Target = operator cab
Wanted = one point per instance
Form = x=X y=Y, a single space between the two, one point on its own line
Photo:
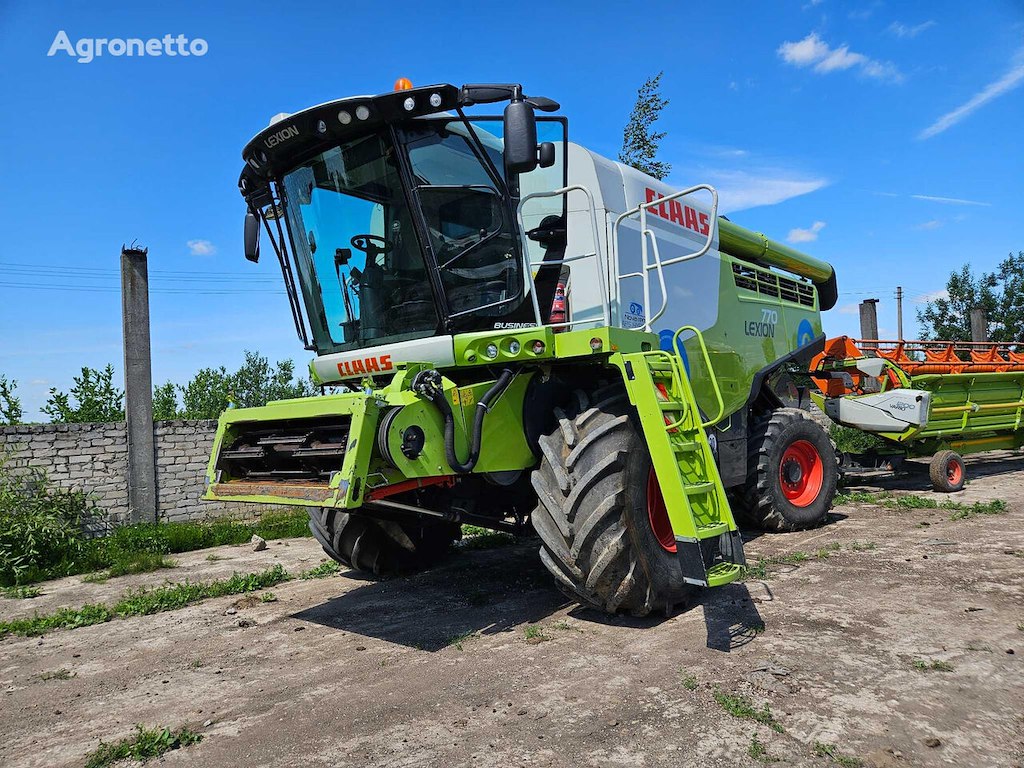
x=393 y=217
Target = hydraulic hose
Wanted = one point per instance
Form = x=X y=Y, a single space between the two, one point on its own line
x=428 y=384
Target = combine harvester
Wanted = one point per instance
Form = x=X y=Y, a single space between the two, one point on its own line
x=926 y=398
x=524 y=334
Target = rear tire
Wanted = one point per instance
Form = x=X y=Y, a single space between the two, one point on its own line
x=592 y=515
x=792 y=472
x=381 y=547
x=947 y=472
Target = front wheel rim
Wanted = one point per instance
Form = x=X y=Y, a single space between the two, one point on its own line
x=801 y=473
x=657 y=514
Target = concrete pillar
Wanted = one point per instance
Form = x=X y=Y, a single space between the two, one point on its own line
x=869 y=320
x=979 y=326
x=138 y=385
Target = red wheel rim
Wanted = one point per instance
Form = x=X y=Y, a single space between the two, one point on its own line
x=801 y=472
x=954 y=472
x=657 y=513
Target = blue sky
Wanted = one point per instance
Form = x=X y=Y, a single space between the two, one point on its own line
x=881 y=136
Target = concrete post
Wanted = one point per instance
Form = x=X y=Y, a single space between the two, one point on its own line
x=979 y=326
x=899 y=313
x=869 y=320
x=138 y=385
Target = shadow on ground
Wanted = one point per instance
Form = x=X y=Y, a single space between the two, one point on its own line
x=913 y=474
x=485 y=592
x=492 y=591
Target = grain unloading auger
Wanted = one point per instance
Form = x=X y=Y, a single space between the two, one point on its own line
x=523 y=335
x=936 y=398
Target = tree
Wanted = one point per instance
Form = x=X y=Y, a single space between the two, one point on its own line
x=10 y=403
x=255 y=383
x=165 y=402
x=639 y=140
x=93 y=398
x=999 y=294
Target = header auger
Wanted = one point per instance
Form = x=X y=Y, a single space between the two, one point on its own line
x=523 y=335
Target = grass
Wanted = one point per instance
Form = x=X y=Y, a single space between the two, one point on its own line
x=457 y=641
x=759 y=751
x=212 y=558
x=326 y=568
x=690 y=682
x=534 y=633
x=921 y=665
x=129 y=549
x=850 y=440
x=21 y=592
x=825 y=552
x=741 y=707
x=862 y=546
x=145 y=744
x=759 y=570
x=169 y=597
x=907 y=501
x=475 y=537
x=59 y=674
x=832 y=752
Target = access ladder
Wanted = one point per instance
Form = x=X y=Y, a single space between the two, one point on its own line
x=708 y=543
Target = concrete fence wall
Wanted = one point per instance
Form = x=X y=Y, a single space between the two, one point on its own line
x=94 y=458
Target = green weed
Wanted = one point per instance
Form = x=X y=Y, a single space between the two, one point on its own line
x=59 y=674
x=997 y=507
x=741 y=707
x=475 y=537
x=147 y=743
x=759 y=570
x=457 y=641
x=535 y=634
x=21 y=592
x=759 y=751
x=935 y=665
x=144 y=602
x=325 y=569
x=832 y=752
x=825 y=552
x=268 y=597
x=862 y=546
x=690 y=682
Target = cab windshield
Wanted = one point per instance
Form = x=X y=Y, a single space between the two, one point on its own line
x=364 y=276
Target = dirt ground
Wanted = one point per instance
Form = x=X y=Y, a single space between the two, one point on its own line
x=436 y=669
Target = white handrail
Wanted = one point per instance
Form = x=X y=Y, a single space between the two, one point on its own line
x=595 y=234
x=645 y=265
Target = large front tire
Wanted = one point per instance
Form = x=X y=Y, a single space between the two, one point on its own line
x=595 y=520
x=792 y=472
x=381 y=547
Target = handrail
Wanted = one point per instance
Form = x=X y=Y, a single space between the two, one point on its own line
x=711 y=370
x=659 y=265
x=595 y=234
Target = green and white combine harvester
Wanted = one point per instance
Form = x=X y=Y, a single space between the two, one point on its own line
x=524 y=335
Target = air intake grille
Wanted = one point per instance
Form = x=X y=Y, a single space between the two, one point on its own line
x=770 y=284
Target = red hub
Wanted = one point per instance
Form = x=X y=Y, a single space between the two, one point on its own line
x=657 y=513
x=954 y=472
x=801 y=472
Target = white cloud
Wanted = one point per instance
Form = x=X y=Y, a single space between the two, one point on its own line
x=806 y=235
x=902 y=30
x=201 y=248
x=739 y=190
x=1006 y=83
x=849 y=309
x=813 y=51
x=932 y=224
x=948 y=200
x=926 y=298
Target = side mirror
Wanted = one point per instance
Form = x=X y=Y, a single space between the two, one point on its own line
x=252 y=237
x=546 y=154
x=520 y=129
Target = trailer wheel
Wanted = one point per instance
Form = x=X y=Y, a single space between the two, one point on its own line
x=381 y=547
x=947 y=472
x=792 y=472
x=600 y=516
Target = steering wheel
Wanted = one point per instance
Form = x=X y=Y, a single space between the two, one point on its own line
x=371 y=245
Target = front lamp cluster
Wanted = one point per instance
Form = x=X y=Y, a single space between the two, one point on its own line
x=506 y=349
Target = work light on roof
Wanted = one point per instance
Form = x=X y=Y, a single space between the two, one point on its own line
x=435 y=99
x=344 y=117
x=362 y=112
x=409 y=104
